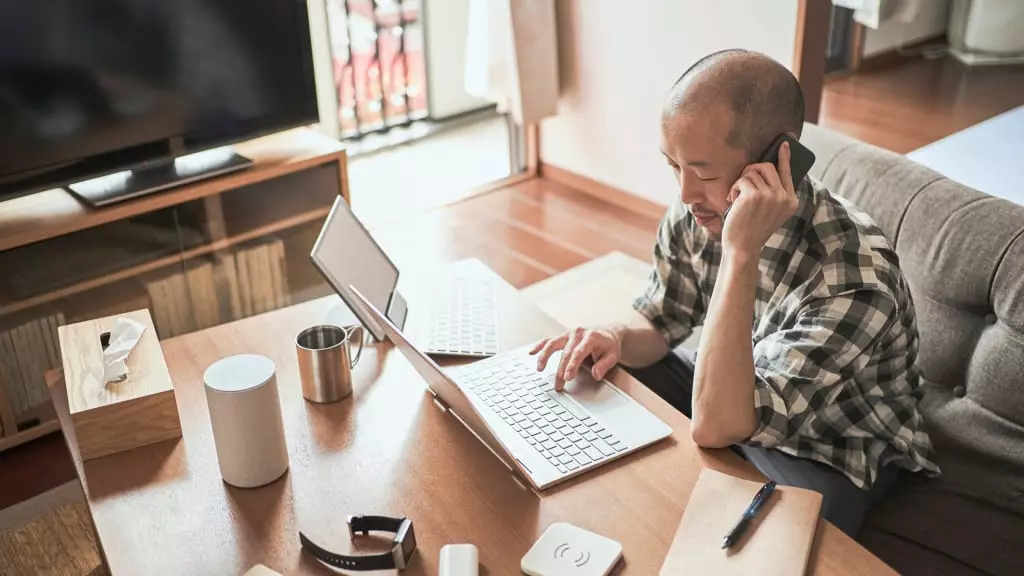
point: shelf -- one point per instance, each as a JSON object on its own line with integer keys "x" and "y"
{"x": 56, "y": 212}
{"x": 92, "y": 283}
{"x": 97, "y": 252}
{"x": 264, "y": 203}
{"x": 302, "y": 275}
{"x": 109, "y": 300}
{"x": 44, "y": 412}
{"x": 48, "y": 427}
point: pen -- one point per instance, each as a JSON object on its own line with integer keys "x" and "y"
{"x": 749, "y": 514}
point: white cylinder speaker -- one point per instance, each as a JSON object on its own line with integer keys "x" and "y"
{"x": 245, "y": 411}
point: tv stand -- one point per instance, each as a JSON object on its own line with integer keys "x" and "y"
{"x": 75, "y": 261}
{"x": 157, "y": 176}
{"x": 56, "y": 212}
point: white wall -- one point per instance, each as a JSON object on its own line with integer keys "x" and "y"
{"x": 930, "y": 19}
{"x": 446, "y": 27}
{"x": 323, "y": 69}
{"x": 618, "y": 59}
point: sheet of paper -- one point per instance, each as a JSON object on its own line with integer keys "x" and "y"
{"x": 123, "y": 339}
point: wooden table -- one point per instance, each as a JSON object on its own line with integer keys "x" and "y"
{"x": 388, "y": 449}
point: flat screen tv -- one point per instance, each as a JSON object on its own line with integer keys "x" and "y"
{"x": 88, "y": 87}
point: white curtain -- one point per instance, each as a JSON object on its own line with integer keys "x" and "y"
{"x": 512, "y": 56}
{"x": 866, "y": 12}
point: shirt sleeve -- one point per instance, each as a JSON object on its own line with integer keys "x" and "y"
{"x": 804, "y": 375}
{"x": 672, "y": 301}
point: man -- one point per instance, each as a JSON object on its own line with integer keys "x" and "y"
{"x": 806, "y": 361}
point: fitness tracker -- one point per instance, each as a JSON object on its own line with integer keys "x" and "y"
{"x": 402, "y": 547}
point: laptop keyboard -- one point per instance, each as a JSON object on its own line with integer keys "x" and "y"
{"x": 524, "y": 399}
{"x": 463, "y": 318}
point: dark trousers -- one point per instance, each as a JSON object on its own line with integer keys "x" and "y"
{"x": 843, "y": 504}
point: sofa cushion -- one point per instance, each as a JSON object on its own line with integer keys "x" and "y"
{"x": 962, "y": 252}
{"x": 923, "y": 528}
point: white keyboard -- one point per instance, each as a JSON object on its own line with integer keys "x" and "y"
{"x": 463, "y": 318}
{"x": 569, "y": 438}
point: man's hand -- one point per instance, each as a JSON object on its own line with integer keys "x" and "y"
{"x": 600, "y": 344}
{"x": 762, "y": 200}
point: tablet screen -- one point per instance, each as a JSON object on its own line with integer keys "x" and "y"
{"x": 347, "y": 255}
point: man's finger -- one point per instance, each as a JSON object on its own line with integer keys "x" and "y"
{"x": 744, "y": 187}
{"x": 583, "y": 349}
{"x": 602, "y": 366}
{"x": 734, "y": 192}
{"x": 549, "y": 348}
{"x": 785, "y": 171}
{"x": 574, "y": 337}
{"x": 536, "y": 347}
{"x": 768, "y": 172}
{"x": 757, "y": 179}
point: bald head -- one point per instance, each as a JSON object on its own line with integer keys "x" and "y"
{"x": 763, "y": 96}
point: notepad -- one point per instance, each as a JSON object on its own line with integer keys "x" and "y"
{"x": 778, "y": 542}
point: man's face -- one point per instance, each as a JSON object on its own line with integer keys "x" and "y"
{"x": 705, "y": 166}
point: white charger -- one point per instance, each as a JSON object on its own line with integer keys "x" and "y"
{"x": 459, "y": 560}
{"x": 568, "y": 550}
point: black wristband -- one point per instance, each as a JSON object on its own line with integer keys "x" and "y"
{"x": 402, "y": 547}
{"x": 367, "y": 524}
{"x": 382, "y": 561}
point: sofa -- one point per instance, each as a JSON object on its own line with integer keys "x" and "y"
{"x": 962, "y": 252}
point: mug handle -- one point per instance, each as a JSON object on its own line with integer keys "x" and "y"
{"x": 362, "y": 339}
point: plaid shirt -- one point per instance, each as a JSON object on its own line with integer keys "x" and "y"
{"x": 834, "y": 334}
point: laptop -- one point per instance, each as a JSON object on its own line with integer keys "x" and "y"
{"x": 458, "y": 319}
{"x": 539, "y": 434}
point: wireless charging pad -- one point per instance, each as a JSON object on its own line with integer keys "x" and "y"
{"x": 569, "y": 550}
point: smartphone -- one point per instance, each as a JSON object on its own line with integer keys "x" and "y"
{"x": 800, "y": 161}
{"x": 800, "y": 157}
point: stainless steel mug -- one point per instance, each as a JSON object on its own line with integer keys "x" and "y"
{"x": 326, "y": 362}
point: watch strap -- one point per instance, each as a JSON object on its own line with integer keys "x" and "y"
{"x": 367, "y": 524}
{"x": 382, "y": 561}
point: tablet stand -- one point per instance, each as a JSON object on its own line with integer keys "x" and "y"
{"x": 398, "y": 310}
{"x": 341, "y": 315}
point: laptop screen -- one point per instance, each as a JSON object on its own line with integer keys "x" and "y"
{"x": 347, "y": 255}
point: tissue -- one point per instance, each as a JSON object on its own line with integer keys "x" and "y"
{"x": 123, "y": 338}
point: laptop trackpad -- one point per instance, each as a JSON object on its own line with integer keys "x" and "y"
{"x": 597, "y": 397}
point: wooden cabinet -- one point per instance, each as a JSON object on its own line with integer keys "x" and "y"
{"x": 196, "y": 256}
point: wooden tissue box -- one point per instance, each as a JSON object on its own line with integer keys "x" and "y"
{"x": 114, "y": 417}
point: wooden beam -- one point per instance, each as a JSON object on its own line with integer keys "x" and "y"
{"x": 812, "y": 24}
{"x": 857, "y": 46}
{"x": 532, "y": 133}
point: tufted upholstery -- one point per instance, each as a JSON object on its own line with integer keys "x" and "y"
{"x": 963, "y": 254}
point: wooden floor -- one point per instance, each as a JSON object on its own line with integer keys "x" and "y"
{"x": 525, "y": 233}
{"x": 918, "y": 102}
